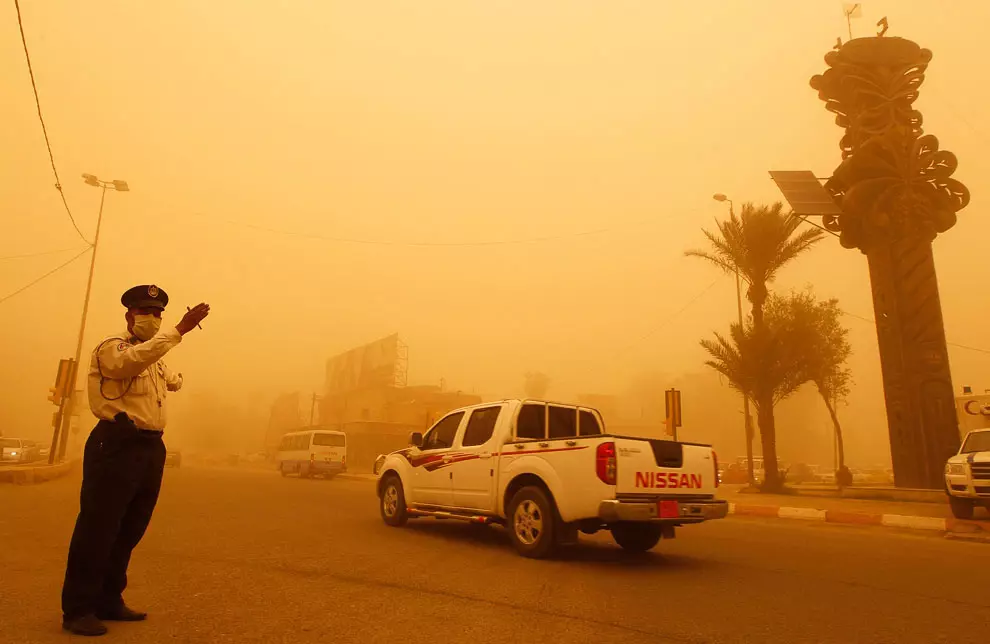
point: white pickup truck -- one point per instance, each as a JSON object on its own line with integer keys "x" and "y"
{"x": 967, "y": 474}
{"x": 546, "y": 471}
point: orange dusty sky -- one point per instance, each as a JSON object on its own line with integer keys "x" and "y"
{"x": 586, "y": 138}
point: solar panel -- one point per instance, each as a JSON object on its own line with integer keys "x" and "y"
{"x": 804, "y": 193}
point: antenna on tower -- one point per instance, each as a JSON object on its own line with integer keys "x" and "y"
{"x": 852, "y": 10}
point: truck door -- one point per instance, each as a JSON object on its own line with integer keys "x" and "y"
{"x": 430, "y": 472}
{"x": 473, "y": 464}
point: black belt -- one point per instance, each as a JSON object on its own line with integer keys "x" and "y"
{"x": 123, "y": 420}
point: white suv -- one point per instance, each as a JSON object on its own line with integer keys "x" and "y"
{"x": 967, "y": 475}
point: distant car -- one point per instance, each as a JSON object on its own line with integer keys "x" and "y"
{"x": 173, "y": 458}
{"x": 801, "y": 473}
{"x": 19, "y": 450}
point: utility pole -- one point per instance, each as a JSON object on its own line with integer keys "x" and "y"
{"x": 67, "y": 412}
{"x": 312, "y": 409}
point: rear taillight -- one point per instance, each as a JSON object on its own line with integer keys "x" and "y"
{"x": 715, "y": 461}
{"x": 605, "y": 463}
{"x": 312, "y": 458}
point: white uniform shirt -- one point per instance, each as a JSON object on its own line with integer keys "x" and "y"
{"x": 127, "y": 375}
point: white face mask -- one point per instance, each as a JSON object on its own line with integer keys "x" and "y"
{"x": 145, "y": 327}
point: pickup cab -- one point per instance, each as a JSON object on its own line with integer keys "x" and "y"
{"x": 547, "y": 471}
{"x": 967, "y": 475}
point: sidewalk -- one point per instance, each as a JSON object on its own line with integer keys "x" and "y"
{"x": 838, "y": 504}
{"x": 910, "y": 515}
{"x": 35, "y": 473}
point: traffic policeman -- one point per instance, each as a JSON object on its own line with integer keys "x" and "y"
{"x": 123, "y": 460}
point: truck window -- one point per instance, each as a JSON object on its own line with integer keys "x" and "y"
{"x": 588, "y": 425}
{"x": 977, "y": 442}
{"x": 532, "y": 422}
{"x": 442, "y": 434}
{"x": 480, "y": 426}
{"x": 563, "y": 422}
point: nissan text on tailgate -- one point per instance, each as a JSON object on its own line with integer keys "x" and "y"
{"x": 547, "y": 471}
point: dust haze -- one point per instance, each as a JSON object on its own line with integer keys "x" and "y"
{"x": 510, "y": 187}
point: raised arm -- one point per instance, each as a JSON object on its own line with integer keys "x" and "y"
{"x": 119, "y": 359}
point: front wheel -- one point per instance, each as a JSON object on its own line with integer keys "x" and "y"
{"x": 636, "y": 537}
{"x": 533, "y": 523}
{"x": 961, "y": 508}
{"x": 393, "y": 502}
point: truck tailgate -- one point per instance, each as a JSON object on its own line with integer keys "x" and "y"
{"x": 659, "y": 467}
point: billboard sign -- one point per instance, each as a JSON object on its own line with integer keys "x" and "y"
{"x": 372, "y": 365}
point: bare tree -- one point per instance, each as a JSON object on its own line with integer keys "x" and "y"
{"x": 825, "y": 348}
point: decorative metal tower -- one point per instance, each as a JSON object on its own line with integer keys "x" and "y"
{"x": 896, "y": 192}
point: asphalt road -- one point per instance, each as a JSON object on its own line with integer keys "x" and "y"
{"x": 241, "y": 556}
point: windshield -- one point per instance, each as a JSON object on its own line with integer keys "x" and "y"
{"x": 9, "y": 442}
{"x": 329, "y": 440}
{"x": 978, "y": 442}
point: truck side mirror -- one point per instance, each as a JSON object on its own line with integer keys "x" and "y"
{"x": 416, "y": 439}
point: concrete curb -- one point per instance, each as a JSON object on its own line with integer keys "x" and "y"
{"x": 36, "y": 473}
{"x": 947, "y": 527}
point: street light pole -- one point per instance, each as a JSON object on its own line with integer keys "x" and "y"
{"x": 748, "y": 422}
{"x": 120, "y": 186}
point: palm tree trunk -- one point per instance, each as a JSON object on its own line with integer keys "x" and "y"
{"x": 749, "y": 447}
{"x": 768, "y": 440}
{"x": 764, "y": 403}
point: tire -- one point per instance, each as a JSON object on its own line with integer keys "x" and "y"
{"x": 532, "y": 523}
{"x": 961, "y": 508}
{"x": 636, "y": 537}
{"x": 392, "y": 502}
{"x": 282, "y": 470}
{"x": 304, "y": 471}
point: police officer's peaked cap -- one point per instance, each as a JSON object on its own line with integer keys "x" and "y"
{"x": 146, "y": 296}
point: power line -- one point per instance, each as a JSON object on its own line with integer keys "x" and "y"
{"x": 44, "y": 252}
{"x": 44, "y": 129}
{"x": 382, "y": 242}
{"x": 951, "y": 344}
{"x": 672, "y": 317}
{"x": 51, "y": 272}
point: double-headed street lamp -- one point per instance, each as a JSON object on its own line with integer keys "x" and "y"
{"x": 119, "y": 186}
{"x": 748, "y": 421}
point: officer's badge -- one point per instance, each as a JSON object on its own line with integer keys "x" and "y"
{"x": 153, "y": 291}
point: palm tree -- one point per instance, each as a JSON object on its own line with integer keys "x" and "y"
{"x": 755, "y": 245}
{"x": 767, "y": 366}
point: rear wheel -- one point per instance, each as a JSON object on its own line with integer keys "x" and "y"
{"x": 961, "y": 508}
{"x": 533, "y": 523}
{"x": 282, "y": 470}
{"x": 392, "y": 502}
{"x": 636, "y": 537}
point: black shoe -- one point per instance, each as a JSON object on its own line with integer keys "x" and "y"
{"x": 121, "y": 614}
{"x": 87, "y": 625}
